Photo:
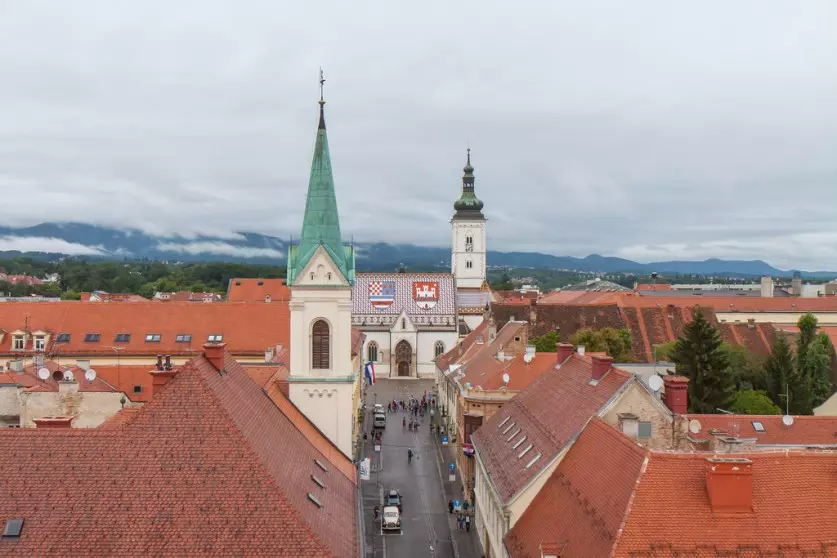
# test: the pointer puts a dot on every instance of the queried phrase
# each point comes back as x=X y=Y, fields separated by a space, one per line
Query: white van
x=380 y=420
x=391 y=519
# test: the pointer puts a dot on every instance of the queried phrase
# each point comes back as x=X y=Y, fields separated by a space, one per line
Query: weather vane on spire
x=322 y=82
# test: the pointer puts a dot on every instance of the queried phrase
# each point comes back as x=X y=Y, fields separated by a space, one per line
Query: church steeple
x=321 y=223
x=468 y=206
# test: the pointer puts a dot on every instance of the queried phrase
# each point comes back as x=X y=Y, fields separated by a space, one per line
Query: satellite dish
x=655 y=383
x=68 y=375
x=527 y=358
x=694 y=426
x=90 y=375
x=43 y=373
x=787 y=420
x=505 y=378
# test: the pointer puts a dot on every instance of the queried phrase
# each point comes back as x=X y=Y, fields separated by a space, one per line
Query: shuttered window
x=320 y=345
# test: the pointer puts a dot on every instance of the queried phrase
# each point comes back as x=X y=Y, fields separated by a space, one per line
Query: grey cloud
x=652 y=129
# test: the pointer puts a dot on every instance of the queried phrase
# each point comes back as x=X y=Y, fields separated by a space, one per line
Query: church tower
x=321 y=271
x=468 y=248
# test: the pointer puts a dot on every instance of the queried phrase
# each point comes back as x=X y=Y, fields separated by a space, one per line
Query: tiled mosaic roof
x=403 y=298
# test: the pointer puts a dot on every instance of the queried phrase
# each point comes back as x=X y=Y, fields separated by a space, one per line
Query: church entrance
x=403 y=358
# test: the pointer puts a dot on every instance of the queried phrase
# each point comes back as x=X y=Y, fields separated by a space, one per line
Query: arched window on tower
x=439 y=348
x=469 y=243
x=320 y=345
x=372 y=352
x=469 y=264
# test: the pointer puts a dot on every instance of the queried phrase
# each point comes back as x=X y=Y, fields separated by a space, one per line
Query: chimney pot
x=564 y=352
x=601 y=364
x=676 y=395
x=168 y=362
x=159 y=362
x=729 y=484
x=580 y=350
x=53 y=422
x=214 y=353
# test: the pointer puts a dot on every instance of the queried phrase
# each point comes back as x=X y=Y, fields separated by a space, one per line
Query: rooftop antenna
x=43 y=373
x=734 y=425
x=506 y=378
x=786 y=395
x=694 y=426
x=655 y=383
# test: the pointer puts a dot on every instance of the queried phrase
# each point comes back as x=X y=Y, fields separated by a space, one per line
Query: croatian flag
x=370 y=373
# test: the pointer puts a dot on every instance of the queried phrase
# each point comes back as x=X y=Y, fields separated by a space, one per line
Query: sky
x=649 y=130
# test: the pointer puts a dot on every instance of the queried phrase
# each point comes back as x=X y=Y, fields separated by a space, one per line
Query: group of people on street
x=463 y=519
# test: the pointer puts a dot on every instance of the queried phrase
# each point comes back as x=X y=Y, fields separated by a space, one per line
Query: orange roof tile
x=653 y=287
x=521 y=373
x=248 y=327
x=255 y=290
x=805 y=430
x=134 y=380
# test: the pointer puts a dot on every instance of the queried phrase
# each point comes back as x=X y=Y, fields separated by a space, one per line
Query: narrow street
x=425 y=519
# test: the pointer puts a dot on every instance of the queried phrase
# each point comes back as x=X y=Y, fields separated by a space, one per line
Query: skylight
x=122 y=338
x=92 y=337
x=317 y=480
x=152 y=338
x=183 y=338
x=505 y=420
x=533 y=461
x=215 y=338
x=524 y=452
x=12 y=528
x=320 y=465
x=515 y=433
x=520 y=441
x=508 y=427
x=315 y=500
x=63 y=338
x=758 y=426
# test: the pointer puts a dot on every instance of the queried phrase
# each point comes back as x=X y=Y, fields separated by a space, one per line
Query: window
x=439 y=348
x=520 y=441
x=329 y=275
x=509 y=427
x=183 y=338
x=505 y=420
x=315 y=500
x=469 y=243
x=758 y=426
x=152 y=338
x=403 y=323
x=63 y=338
x=137 y=388
x=320 y=345
x=215 y=338
x=18 y=343
x=469 y=264
x=260 y=283
x=320 y=465
x=372 y=352
x=40 y=342
x=12 y=528
x=532 y=462
x=317 y=480
x=524 y=452
x=92 y=337
x=644 y=429
x=122 y=338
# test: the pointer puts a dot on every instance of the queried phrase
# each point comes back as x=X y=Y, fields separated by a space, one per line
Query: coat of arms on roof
x=381 y=294
x=426 y=294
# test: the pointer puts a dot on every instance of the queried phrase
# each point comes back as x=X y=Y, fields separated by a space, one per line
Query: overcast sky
x=648 y=130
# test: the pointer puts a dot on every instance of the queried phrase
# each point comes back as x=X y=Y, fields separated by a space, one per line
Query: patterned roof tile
x=443 y=305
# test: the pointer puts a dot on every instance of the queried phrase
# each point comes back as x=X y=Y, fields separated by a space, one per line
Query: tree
x=745 y=368
x=546 y=343
x=753 y=402
x=779 y=370
x=614 y=342
x=817 y=369
x=699 y=356
x=664 y=351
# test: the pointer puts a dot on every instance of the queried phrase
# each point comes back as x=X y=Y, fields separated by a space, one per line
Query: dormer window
x=40 y=342
x=19 y=343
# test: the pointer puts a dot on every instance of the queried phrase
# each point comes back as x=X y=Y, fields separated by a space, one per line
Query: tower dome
x=468 y=206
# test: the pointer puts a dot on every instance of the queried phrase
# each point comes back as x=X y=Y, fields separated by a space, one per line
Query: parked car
x=379 y=408
x=391 y=519
x=394 y=499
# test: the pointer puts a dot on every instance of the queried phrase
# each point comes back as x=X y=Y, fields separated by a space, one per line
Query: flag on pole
x=370 y=373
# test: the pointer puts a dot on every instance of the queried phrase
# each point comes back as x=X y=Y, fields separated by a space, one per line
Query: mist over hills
x=54 y=240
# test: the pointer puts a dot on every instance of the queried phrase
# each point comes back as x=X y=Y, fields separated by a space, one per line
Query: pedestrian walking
x=376 y=510
x=450 y=507
x=468 y=523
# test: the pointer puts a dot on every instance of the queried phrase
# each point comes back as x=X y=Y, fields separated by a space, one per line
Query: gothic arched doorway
x=403 y=358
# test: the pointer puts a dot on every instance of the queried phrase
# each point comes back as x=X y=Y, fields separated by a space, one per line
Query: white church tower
x=321 y=271
x=468 y=248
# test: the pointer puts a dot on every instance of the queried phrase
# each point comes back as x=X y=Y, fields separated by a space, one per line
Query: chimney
x=159 y=378
x=751 y=323
x=214 y=353
x=159 y=362
x=564 y=352
x=16 y=365
x=268 y=354
x=84 y=297
x=766 y=287
x=67 y=387
x=167 y=366
x=83 y=364
x=729 y=484
x=580 y=350
x=267 y=297
x=676 y=396
x=629 y=424
x=53 y=422
x=601 y=364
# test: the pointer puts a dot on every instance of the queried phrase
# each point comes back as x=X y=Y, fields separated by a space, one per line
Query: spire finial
x=322 y=82
x=468 y=151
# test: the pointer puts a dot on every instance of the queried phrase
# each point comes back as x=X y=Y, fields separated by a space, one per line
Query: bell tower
x=468 y=249
x=321 y=271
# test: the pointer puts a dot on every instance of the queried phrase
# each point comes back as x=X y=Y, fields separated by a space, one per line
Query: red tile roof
x=727 y=304
x=653 y=287
x=551 y=412
x=126 y=377
x=28 y=378
x=805 y=430
x=610 y=497
x=210 y=466
x=581 y=507
x=255 y=290
x=187 y=296
x=248 y=327
x=358 y=338
x=479 y=364
x=458 y=352
x=521 y=373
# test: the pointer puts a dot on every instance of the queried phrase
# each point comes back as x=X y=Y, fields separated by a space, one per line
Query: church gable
x=430 y=295
x=403 y=324
x=320 y=271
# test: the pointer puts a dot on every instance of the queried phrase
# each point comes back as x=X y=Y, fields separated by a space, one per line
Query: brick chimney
x=214 y=353
x=564 y=352
x=159 y=378
x=53 y=422
x=676 y=396
x=601 y=364
x=729 y=484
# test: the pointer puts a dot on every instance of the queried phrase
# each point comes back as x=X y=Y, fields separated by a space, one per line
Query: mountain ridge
x=81 y=239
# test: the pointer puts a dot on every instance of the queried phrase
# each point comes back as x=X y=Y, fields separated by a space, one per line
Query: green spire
x=321 y=224
x=468 y=206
